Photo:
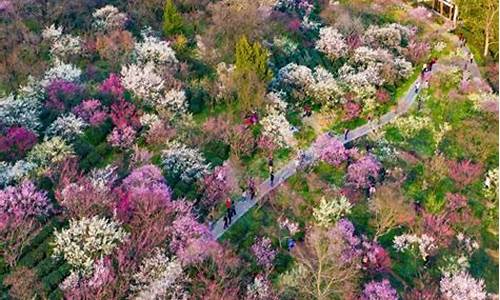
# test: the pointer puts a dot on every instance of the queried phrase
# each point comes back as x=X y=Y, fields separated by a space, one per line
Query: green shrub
x=91 y=160
x=32 y=258
x=52 y=281
x=423 y=143
x=406 y=265
x=97 y=135
x=47 y=266
x=282 y=262
x=197 y=98
x=104 y=149
x=56 y=294
x=216 y=152
x=330 y=173
x=82 y=147
x=483 y=266
x=360 y=217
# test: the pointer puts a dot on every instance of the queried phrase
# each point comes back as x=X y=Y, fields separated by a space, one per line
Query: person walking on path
x=271 y=176
x=371 y=124
x=417 y=86
x=229 y=216
x=211 y=220
x=431 y=64
x=230 y=208
x=346 y=133
x=424 y=70
x=226 y=223
x=251 y=188
x=270 y=161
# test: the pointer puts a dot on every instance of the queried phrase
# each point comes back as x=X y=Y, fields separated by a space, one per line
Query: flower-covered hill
x=128 y=127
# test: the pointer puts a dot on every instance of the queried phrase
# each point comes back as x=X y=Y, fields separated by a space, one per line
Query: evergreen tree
x=252 y=58
x=172 y=19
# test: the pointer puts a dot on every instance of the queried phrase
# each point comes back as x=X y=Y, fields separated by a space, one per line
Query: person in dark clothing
x=229 y=216
x=270 y=162
x=382 y=174
x=417 y=86
x=225 y=221
x=251 y=188
x=346 y=133
x=233 y=210
x=211 y=221
x=433 y=62
x=271 y=177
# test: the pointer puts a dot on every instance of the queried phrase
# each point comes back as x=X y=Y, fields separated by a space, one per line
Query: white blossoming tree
x=159 y=277
x=48 y=153
x=67 y=127
x=328 y=212
x=276 y=127
x=61 y=71
x=174 y=101
x=11 y=173
x=143 y=81
x=423 y=244
x=154 y=50
x=296 y=75
x=331 y=42
x=182 y=162
x=462 y=286
x=20 y=111
x=109 y=18
x=86 y=240
x=52 y=33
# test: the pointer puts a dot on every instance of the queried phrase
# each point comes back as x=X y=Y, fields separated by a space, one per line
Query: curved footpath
x=291 y=168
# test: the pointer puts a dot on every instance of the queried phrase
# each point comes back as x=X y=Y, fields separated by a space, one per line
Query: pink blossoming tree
x=330 y=150
x=359 y=173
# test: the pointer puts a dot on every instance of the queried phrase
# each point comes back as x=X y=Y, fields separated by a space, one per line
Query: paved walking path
x=291 y=167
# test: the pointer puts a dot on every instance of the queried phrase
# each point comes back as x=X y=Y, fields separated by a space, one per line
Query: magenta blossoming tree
x=124 y=114
x=16 y=142
x=60 y=93
x=91 y=111
x=330 y=150
x=122 y=137
x=360 y=172
x=344 y=230
x=112 y=86
x=379 y=290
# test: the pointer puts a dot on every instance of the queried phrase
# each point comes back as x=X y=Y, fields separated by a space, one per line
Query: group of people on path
x=248 y=194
